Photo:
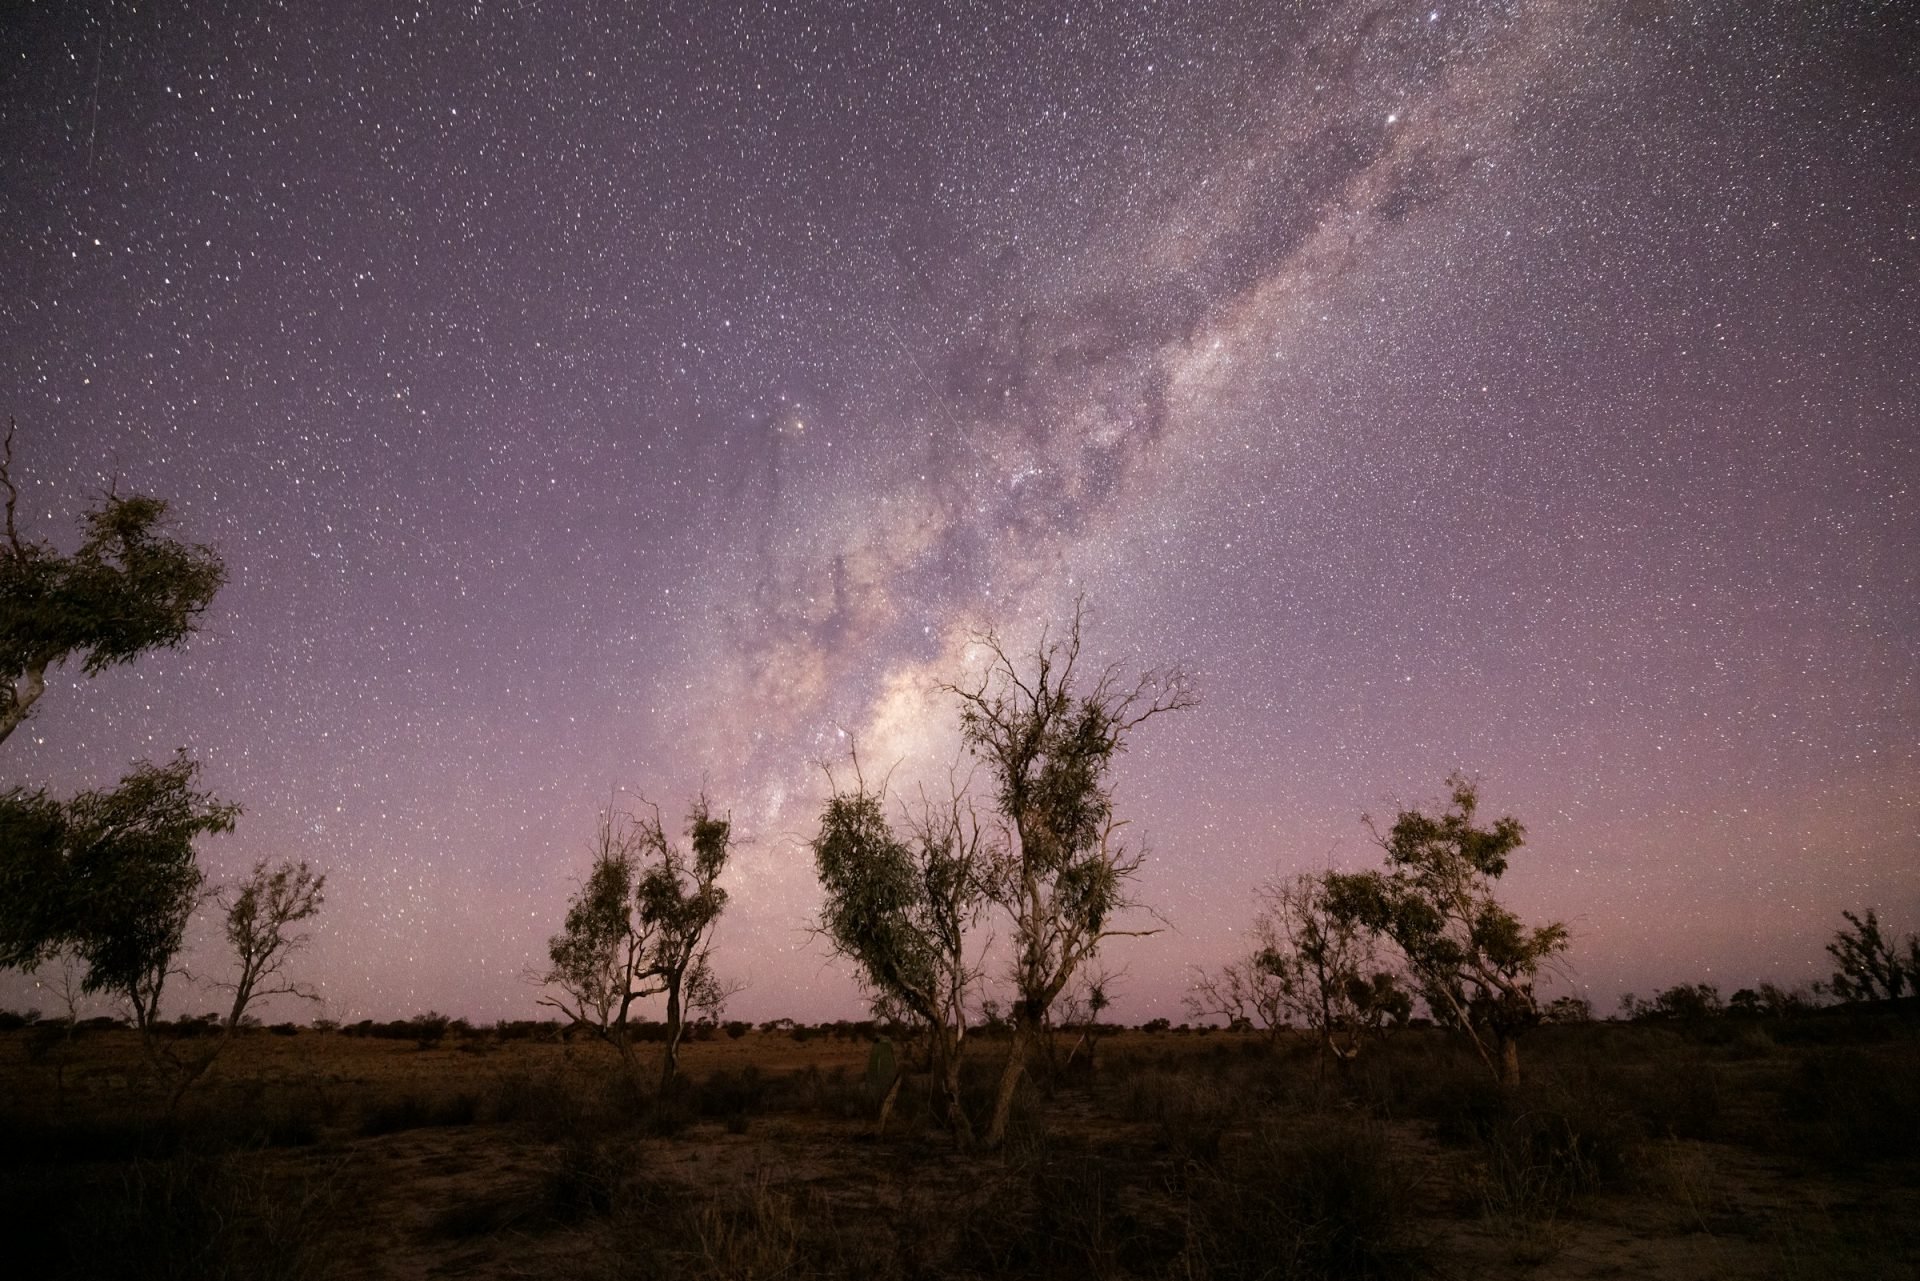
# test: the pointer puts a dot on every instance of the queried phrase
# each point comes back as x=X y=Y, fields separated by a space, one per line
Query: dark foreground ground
x=1734 y=1148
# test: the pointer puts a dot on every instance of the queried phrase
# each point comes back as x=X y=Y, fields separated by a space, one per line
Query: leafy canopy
x=128 y=589
x=110 y=875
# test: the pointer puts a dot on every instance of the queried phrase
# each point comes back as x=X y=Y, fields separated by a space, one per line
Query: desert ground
x=1749 y=1148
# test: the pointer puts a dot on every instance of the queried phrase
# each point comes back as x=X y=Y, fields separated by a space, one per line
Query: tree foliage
x=1060 y=868
x=1308 y=965
x=1871 y=966
x=128 y=589
x=1474 y=961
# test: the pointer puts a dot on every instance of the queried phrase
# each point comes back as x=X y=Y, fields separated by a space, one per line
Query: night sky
x=588 y=396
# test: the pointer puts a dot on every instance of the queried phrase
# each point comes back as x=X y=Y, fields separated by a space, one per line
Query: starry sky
x=595 y=396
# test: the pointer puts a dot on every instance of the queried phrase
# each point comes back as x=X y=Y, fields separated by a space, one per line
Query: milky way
x=589 y=397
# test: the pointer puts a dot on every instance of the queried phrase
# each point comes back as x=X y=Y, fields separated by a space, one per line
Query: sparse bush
x=413 y=1112
x=1845 y=1108
x=1061 y=1217
x=1537 y=1161
x=429 y=1029
x=1311 y=1197
x=191 y=1216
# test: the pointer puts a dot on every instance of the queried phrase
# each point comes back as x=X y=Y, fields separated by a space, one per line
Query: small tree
x=1309 y=964
x=642 y=926
x=128 y=589
x=1242 y=991
x=1474 y=961
x=598 y=962
x=1080 y=1007
x=899 y=909
x=1062 y=872
x=1871 y=967
x=260 y=919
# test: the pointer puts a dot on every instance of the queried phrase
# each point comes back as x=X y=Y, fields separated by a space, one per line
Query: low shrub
x=1844 y=1108
x=1316 y=1196
x=413 y=1112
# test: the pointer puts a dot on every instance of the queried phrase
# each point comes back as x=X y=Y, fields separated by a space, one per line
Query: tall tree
x=900 y=907
x=679 y=901
x=1062 y=871
x=1474 y=961
x=128 y=589
x=111 y=877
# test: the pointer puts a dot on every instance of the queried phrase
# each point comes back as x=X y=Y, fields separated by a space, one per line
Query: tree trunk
x=947 y=1072
x=1509 y=1062
x=886 y=1104
x=1009 y=1081
x=670 y=1059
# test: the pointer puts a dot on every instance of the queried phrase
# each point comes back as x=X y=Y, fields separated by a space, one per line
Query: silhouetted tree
x=261 y=915
x=899 y=907
x=1060 y=869
x=1872 y=967
x=112 y=875
x=1311 y=964
x=1081 y=1006
x=128 y=589
x=1474 y=961
x=109 y=877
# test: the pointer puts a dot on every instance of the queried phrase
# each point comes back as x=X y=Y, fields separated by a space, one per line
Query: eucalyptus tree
x=1474 y=961
x=679 y=900
x=262 y=915
x=1060 y=868
x=109 y=877
x=642 y=925
x=900 y=906
x=598 y=963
